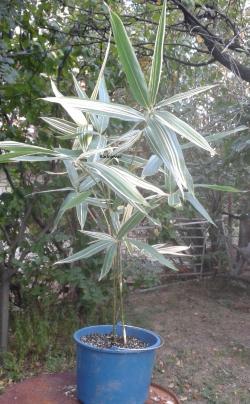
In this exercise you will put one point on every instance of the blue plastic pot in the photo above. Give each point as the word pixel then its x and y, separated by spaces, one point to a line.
pixel 115 375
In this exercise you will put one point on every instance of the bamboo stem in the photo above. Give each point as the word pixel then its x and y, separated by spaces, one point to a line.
pixel 120 280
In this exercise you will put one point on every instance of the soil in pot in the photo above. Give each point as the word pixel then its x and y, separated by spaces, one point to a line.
pixel 110 340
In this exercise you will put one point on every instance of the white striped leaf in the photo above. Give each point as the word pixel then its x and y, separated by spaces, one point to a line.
pixel 182 128
pixel 171 250
pixel 72 173
pixel 152 252
pixel 183 96
pixel 218 137
pixel 122 180
pixel 101 74
pixel 128 59
pixel 114 178
pixel 166 146
pixel 155 74
pixel 72 200
pixel 198 206
pixel 75 114
pixel 61 125
pixel 108 261
pixel 81 212
pixel 130 224
pixel 217 187
pixel 102 122
pixel 87 252
pixel 98 235
pixel 100 108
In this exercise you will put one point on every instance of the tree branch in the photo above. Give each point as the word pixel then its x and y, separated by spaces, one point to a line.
pixel 211 41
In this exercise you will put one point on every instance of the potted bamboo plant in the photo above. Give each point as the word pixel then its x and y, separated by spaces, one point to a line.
pixel 114 362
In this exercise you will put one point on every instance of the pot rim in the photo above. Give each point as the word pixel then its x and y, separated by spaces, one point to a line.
pixel 116 350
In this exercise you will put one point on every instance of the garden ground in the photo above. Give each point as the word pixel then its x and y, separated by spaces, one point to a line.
pixel 206 328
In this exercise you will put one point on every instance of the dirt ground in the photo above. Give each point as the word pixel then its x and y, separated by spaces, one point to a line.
pixel 206 329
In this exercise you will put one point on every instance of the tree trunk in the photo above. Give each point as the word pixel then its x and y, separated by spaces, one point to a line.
pixel 4 309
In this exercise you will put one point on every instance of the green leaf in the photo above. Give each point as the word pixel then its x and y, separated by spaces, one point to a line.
pixel 130 224
pixel 183 96
pixel 148 249
pixel 215 187
pixel 113 110
pixel 155 74
pixel 182 128
pixel 108 261
pixel 128 59
pixel 75 200
pixel 198 206
pixel 87 252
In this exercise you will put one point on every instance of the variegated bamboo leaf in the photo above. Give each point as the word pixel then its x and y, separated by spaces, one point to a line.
pixel 108 261
pixel 87 252
pixel 128 59
pixel 155 74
